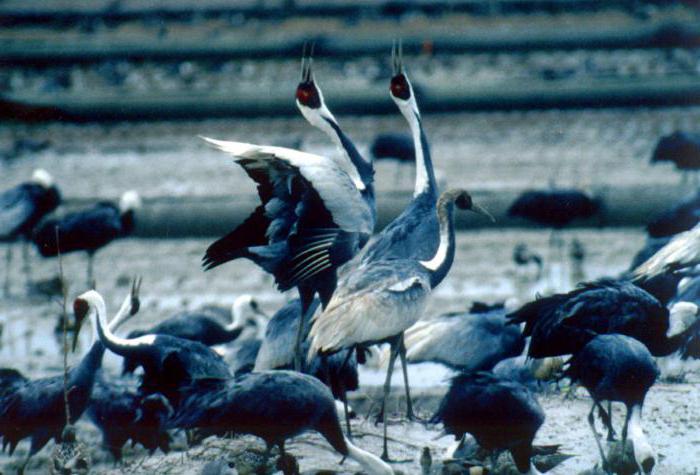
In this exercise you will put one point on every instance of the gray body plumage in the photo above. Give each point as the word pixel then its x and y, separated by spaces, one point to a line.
pixel 464 340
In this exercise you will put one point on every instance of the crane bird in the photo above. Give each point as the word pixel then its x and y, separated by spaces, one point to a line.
pixel 122 413
pixel 617 367
pixel 680 148
pixel 21 208
pixel 681 252
pixel 310 102
pixel 36 408
pixel 204 327
pixel 555 208
pixel 272 405
pixel 378 301
pixel 562 324
pixel 415 233
pixel 680 217
pixel 88 230
pixel 168 362
pixel 465 341
pixel 313 218
pixel 500 414
pixel 337 371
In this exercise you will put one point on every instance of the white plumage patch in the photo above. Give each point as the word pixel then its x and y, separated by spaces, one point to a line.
pixel 129 201
pixel 682 251
pixel 42 177
pixel 337 189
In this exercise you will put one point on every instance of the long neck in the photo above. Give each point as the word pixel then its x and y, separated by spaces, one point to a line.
pixel 425 177
pixel 84 373
pixel 370 462
pixel 348 148
pixel 441 262
pixel 359 171
pixel 107 337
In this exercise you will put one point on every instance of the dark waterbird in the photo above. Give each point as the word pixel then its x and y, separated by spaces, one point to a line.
pixel 88 230
pixel 272 405
pixel 618 368
pixel 168 362
pixel 555 208
pixel 500 414
pixel 36 408
pixel 378 301
pixel 203 326
pixel 313 218
pixel 338 371
pixel 562 324
pixel 394 146
pixel 21 208
pixel 680 148
pixel 122 413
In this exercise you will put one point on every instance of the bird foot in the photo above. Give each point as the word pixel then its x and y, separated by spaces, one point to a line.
pixel 287 464
pixel 379 418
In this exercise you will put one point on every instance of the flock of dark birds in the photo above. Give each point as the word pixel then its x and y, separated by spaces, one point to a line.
pixel 313 231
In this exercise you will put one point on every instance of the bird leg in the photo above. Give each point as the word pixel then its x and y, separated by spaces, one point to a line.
pixel 26 267
pixel 8 262
pixel 591 422
pixel 606 417
pixel 393 347
pixel 343 392
pixel 393 353
pixel 306 298
pixel 409 403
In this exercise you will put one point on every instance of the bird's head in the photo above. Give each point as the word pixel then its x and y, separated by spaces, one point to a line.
pixel 463 200
pixel 129 201
pixel 309 98
pixel 246 311
pixel 681 316
pixel 400 87
pixel 42 178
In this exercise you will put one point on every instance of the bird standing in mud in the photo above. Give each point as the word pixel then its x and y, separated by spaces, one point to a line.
pixel 21 209
pixel 378 301
pixel 618 368
pixel 88 230
pixel 37 409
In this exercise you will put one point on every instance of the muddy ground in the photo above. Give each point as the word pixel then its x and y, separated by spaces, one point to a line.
pixel 486 150
pixel 483 270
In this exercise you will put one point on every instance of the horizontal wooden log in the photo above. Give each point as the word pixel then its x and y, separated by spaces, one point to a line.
pixel 52 49
pixel 178 217
pixel 62 10
pixel 436 98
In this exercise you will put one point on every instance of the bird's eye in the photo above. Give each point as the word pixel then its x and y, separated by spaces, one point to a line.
pixel 400 88
pixel 307 95
pixel 254 304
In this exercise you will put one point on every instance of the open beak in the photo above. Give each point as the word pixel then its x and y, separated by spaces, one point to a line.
pixel 397 58
pixel 306 63
pixel 482 211
pixel 80 311
pixel 135 301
